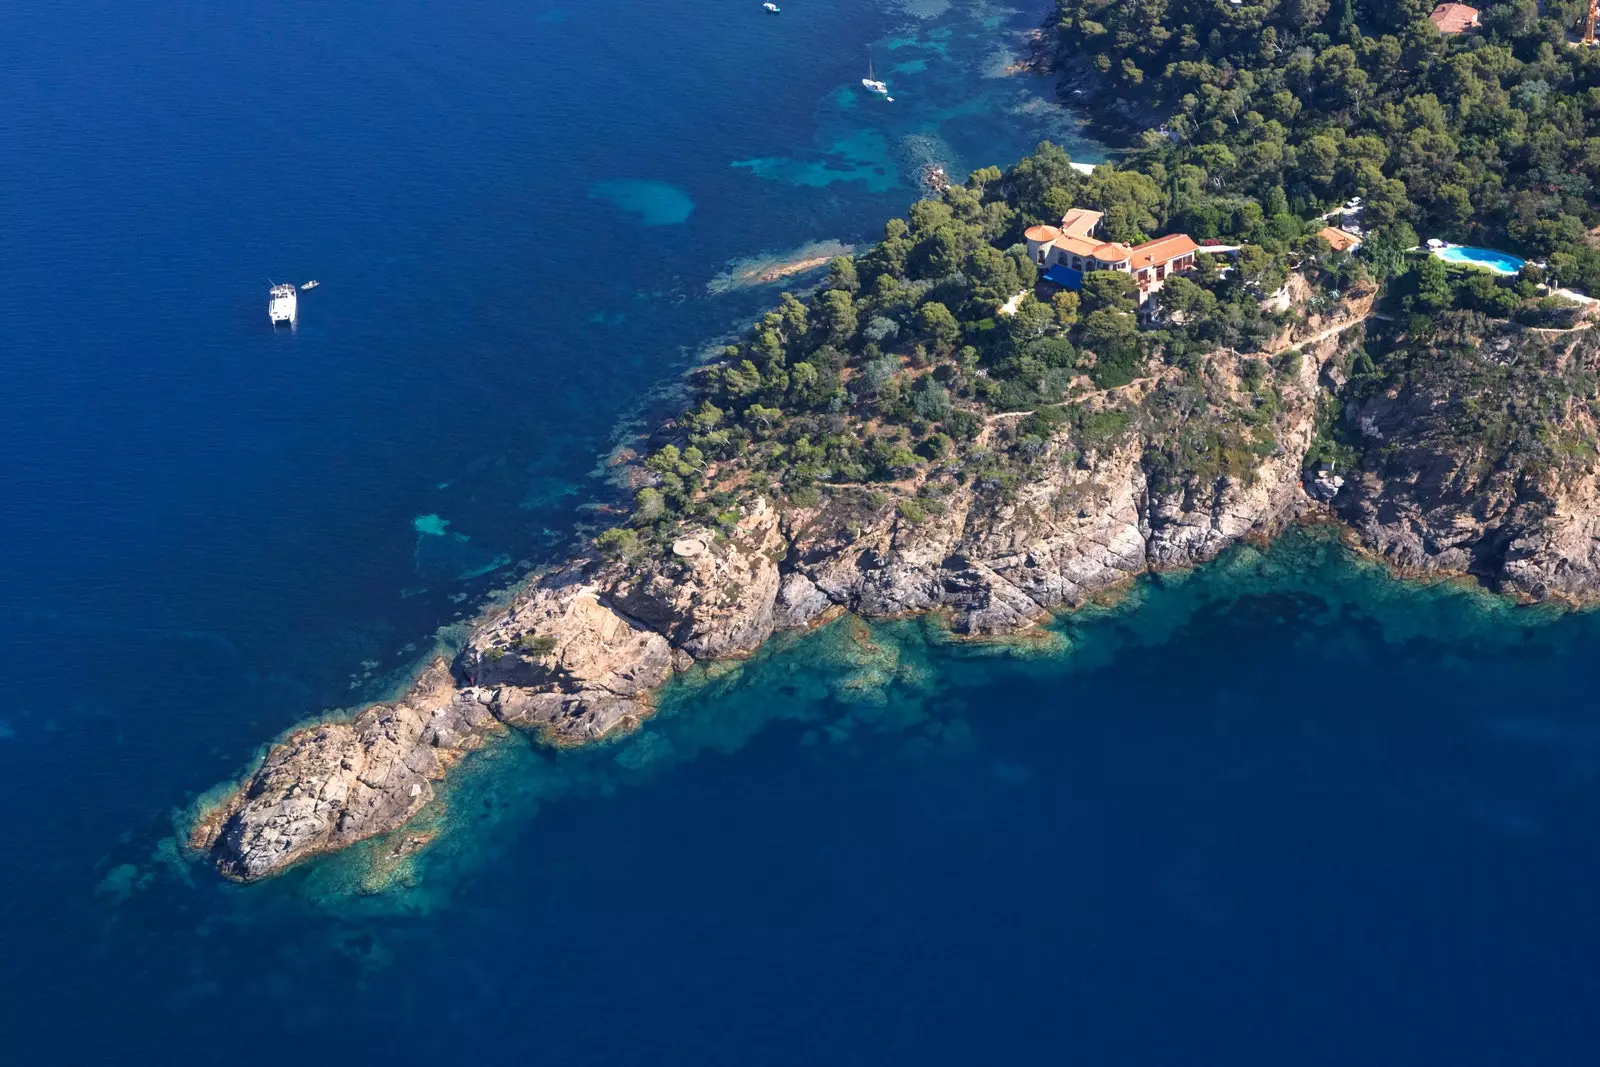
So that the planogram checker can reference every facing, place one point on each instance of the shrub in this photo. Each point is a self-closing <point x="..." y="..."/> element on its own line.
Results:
<point x="1250" y="374"/>
<point x="536" y="644"/>
<point x="880" y="329"/>
<point x="617" y="543"/>
<point x="962" y="425"/>
<point x="805" y="496"/>
<point x="930" y="399"/>
<point x="1116" y="368"/>
<point x="911" y="511"/>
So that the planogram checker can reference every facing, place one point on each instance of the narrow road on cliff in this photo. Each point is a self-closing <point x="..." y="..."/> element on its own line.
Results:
<point x="1318" y="338"/>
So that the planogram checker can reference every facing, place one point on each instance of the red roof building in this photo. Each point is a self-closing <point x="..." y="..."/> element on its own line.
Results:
<point x="1073" y="245"/>
<point x="1454" y="18"/>
<point x="1341" y="240"/>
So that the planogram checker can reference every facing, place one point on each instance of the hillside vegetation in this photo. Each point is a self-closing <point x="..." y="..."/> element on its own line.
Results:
<point x="1488" y="137"/>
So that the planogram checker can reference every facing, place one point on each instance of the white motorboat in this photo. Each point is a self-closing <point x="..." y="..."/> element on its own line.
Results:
<point x="284" y="305"/>
<point x="312" y="284"/>
<point x="771" y="9"/>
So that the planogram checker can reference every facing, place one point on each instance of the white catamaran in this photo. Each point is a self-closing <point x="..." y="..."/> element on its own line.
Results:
<point x="284" y="305"/>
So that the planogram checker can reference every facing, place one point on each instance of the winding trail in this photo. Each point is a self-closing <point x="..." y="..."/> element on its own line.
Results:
<point x="1331" y="331"/>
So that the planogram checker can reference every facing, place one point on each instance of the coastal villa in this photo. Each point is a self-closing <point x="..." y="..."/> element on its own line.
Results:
<point x="1066" y="251"/>
<point x="1340" y="240"/>
<point x="1454" y="18"/>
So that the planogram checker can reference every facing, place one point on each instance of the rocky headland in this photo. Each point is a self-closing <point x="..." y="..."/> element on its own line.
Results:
<point x="576" y="655"/>
<point x="937" y="429"/>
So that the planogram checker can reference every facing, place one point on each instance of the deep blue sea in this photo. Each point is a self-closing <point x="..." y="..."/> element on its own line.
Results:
<point x="1282" y="810"/>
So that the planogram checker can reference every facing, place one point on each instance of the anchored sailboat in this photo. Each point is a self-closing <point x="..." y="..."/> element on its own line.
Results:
<point x="872" y="83"/>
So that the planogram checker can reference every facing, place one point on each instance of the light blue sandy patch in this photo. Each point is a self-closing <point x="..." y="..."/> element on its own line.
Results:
<point x="645" y="749"/>
<point x="978" y="106"/>
<point x="605" y="318"/>
<point x="937" y="42"/>
<point x="432" y="525"/>
<point x="652" y="203"/>
<point x="910" y="66"/>
<point x="546" y="492"/>
<point x="122" y="882"/>
<point x="6" y="732"/>
<point x="816" y="175"/>
<point x="860" y="157"/>
<point x="845" y="97"/>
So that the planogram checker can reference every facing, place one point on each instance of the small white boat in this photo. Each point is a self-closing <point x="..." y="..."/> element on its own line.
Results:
<point x="872" y="83"/>
<point x="312" y="284"/>
<point x="771" y="9"/>
<point x="284" y="305"/>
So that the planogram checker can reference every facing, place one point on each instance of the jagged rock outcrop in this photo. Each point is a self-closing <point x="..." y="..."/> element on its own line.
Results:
<point x="327" y="786"/>
<point x="1479" y="459"/>
<point x="558" y="660"/>
<point x="712" y="595"/>
<point x="563" y="641"/>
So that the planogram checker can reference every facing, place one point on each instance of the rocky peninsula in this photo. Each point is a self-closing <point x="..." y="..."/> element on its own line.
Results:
<point x="946" y="425"/>
<point x="577" y="654"/>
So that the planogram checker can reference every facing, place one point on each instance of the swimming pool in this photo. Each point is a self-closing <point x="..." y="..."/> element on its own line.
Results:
<point x="1499" y="262"/>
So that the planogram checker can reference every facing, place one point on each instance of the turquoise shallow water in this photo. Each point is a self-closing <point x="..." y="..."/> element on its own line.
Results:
<point x="1282" y="810"/>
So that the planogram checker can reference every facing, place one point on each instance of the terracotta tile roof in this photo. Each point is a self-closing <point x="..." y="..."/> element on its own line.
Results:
<point x="1041" y="233"/>
<point x="1077" y="246"/>
<point x="1341" y="240"/>
<point x="1080" y="222"/>
<point x="1454" y="18"/>
<point x="1112" y="252"/>
<point x="1162" y="250"/>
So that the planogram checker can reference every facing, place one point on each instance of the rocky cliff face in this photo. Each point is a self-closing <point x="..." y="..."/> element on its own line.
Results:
<point x="1478" y="457"/>
<point x="577" y="654"/>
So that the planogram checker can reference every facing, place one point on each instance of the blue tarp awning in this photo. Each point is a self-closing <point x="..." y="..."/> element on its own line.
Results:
<point x="1065" y="277"/>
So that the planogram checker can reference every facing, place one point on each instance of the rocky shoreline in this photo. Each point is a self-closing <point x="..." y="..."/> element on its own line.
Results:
<point x="577" y="654"/>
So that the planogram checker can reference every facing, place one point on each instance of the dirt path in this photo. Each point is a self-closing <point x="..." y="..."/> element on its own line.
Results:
<point x="1318" y="338"/>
